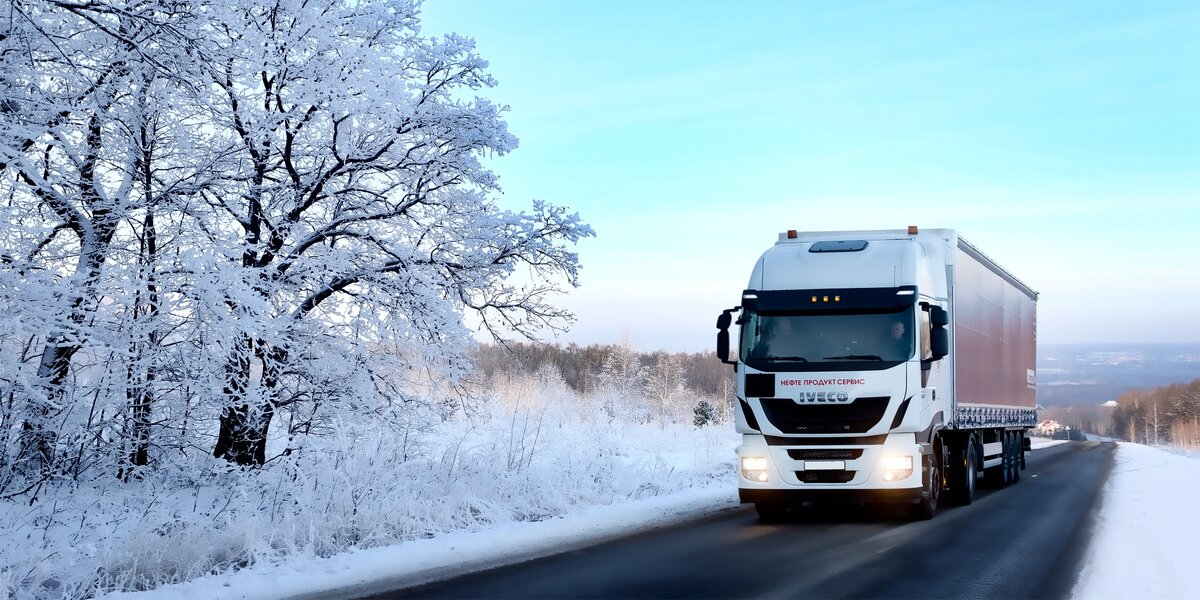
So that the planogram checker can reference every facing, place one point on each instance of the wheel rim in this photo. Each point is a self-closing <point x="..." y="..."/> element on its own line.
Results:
<point x="971" y="474"/>
<point x="1006" y="468"/>
<point x="1008" y="454"/>
<point x="935" y="478"/>
<point x="1016" y="462"/>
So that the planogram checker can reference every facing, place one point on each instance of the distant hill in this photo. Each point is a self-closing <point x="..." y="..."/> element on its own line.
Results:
<point x="1074" y="374"/>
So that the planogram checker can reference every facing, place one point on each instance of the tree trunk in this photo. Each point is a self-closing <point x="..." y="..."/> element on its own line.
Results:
<point x="142" y="371"/>
<point x="38" y="437"/>
<point x="242" y="438"/>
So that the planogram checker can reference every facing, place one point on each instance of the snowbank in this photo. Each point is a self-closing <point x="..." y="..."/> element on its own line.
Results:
<point x="1144" y="545"/>
<point x="366" y="504"/>
<point x="378" y="570"/>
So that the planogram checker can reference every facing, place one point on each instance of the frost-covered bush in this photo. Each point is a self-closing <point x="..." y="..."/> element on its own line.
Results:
<point x="705" y="413"/>
<point x="521" y="455"/>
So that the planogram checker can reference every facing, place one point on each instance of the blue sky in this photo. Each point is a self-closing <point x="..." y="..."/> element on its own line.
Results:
<point x="1063" y="139"/>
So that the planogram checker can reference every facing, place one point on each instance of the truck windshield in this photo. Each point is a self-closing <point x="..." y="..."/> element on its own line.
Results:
<point x="806" y="341"/>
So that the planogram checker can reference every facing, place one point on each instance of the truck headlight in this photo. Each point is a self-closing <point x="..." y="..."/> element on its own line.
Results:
<point x="896" y="468"/>
<point x="754" y="468"/>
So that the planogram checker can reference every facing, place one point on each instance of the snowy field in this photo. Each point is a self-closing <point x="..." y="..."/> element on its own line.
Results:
<point x="1138" y="533"/>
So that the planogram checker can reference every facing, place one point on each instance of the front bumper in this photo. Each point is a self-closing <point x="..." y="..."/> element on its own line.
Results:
<point x="861" y="478"/>
<point x="793" y="497"/>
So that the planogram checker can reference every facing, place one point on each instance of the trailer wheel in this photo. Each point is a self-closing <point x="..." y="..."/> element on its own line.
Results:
<point x="1017" y="452"/>
<point x="965" y="473"/>
<point x="1009" y="459"/>
<point x="771" y="512"/>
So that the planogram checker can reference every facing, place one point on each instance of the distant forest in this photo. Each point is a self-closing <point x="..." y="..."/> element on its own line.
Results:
<point x="1165" y="415"/>
<point x="645" y="386"/>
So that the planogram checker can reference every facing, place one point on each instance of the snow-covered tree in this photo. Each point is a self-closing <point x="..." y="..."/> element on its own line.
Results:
<point x="664" y="386"/>
<point x="225" y="210"/>
<point x="619" y="384"/>
<point x="356" y="200"/>
<point x="704" y="413"/>
<point x="77" y="103"/>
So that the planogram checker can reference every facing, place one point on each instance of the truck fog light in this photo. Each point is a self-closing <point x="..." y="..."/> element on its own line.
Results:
<point x="896" y="468"/>
<point x="754" y="468"/>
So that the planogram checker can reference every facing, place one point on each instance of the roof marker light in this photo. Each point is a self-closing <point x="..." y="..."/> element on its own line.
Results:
<point x="912" y="230"/>
<point x="904" y="293"/>
<point x="791" y="234"/>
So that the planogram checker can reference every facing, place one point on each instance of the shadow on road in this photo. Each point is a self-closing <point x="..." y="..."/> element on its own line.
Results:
<point x="831" y="513"/>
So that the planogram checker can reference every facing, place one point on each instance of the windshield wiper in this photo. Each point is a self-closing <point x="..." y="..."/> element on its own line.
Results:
<point x="854" y="357"/>
<point x="793" y="358"/>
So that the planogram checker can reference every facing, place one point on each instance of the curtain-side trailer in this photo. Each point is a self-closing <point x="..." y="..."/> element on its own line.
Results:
<point x="880" y="366"/>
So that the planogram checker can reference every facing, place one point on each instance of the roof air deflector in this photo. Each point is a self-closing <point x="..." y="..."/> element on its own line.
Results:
<point x="838" y="246"/>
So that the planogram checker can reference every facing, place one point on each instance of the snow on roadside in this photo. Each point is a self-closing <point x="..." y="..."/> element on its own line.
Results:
<point x="1039" y="443"/>
<point x="1140" y="549"/>
<point x="1144" y="544"/>
<point x="377" y="570"/>
<point x="360" y="493"/>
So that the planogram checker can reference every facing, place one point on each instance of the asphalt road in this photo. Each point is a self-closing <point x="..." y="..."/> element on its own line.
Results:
<point x="1025" y="541"/>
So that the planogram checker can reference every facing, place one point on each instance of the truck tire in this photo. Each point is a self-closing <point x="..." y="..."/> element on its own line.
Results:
<point x="771" y="512"/>
<point x="927" y="507"/>
<point x="1010" y="459"/>
<point x="1015" y="445"/>
<point x="963" y="477"/>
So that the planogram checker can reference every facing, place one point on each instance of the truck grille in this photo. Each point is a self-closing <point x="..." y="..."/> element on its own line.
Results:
<point x="825" y="476"/>
<point x="826" y="454"/>
<point x="855" y="417"/>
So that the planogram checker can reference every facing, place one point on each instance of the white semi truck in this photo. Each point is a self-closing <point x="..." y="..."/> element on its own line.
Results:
<point x="880" y="366"/>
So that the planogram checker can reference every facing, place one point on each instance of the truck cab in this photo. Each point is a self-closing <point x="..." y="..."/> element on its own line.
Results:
<point x="845" y="370"/>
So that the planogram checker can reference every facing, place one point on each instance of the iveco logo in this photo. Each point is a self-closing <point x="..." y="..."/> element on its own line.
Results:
<point x="822" y="397"/>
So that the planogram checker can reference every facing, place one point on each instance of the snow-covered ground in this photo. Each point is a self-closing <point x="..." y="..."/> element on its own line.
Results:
<point x="407" y="486"/>
<point x="378" y="570"/>
<point x="368" y="502"/>
<point x="1145" y="543"/>
<point x="1143" y="528"/>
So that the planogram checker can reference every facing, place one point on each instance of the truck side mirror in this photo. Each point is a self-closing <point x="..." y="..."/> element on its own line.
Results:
<point x="938" y="317"/>
<point x="723" y="345"/>
<point x="724" y="320"/>
<point x="939" y="342"/>
<point x="939" y="336"/>
<point x="723" y="323"/>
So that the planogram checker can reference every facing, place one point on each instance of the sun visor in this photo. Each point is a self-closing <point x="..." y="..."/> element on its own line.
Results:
<point x="789" y="301"/>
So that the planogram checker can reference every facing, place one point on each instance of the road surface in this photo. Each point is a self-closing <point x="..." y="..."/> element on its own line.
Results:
<point x="1023" y="541"/>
